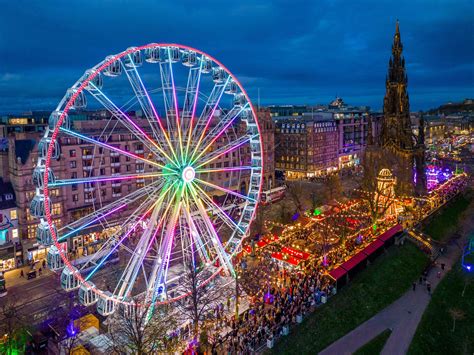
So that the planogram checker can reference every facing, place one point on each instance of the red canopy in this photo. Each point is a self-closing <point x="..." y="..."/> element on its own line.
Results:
<point x="295" y="253"/>
<point x="372" y="247"/>
<point x="337" y="273"/>
<point x="387" y="235"/>
<point x="290" y="260"/>
<point x="354" y="261"/>
<point x="262" y="244"/>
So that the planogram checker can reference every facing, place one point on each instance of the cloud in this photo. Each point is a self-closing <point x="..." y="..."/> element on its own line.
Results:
<point x="294" y="51"/>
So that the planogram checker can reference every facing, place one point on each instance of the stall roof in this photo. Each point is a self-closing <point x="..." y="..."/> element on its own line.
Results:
<point x="337" y="273"/>
<point x="372" y="247"/>
<point x="290" y="260"/>
<point x="387" y="235"/>
<point x="295" y="253"/>
<point x="354" y="261"/>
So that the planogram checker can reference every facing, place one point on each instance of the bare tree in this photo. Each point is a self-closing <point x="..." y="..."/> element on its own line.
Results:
<point x="142" y="330"/>
<point x="333" y="187"/>
<point x="258" y="224"/>
<point x="296" y="192"/>
<point x="456" y="314"/>
<point x="13" y="327"/>
<point x="377" y="200"/>
<point x="202" y="297"/>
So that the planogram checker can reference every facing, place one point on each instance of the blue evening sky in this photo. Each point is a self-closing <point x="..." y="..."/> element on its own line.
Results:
<point x="295" y="52"/>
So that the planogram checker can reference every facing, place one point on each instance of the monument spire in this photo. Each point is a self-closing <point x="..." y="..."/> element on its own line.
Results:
<point x="396" y="127"/>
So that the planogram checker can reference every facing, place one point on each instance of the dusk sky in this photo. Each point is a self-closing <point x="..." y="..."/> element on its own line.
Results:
<point x="295" y="52"/>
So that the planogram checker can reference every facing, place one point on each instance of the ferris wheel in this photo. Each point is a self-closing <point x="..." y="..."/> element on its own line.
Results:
<point x="167" y="173"/>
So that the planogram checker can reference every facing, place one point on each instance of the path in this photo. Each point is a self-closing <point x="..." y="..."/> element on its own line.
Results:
<point x="404" y="314"/>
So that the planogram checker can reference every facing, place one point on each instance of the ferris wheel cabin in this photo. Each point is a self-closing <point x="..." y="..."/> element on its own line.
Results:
<point x="106" y="305"/>
<point x="43" y="233"/>
<point x="53" y="259"/>
<point x="114" y="68"/>
<point x="69" y="280"/>
<point x="87" y="296"/>
<point x="43" y="147"/>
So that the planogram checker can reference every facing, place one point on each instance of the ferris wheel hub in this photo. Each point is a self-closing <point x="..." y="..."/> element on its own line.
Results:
<point x="188" y="174"/>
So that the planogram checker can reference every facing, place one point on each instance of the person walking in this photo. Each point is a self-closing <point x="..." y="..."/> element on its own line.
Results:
<point x="414" y="286"/>
<point x="22" y="273"/>
<point x="420" y="281"/>
<point x="40" y="270"/>
<point x="428" y="287"/>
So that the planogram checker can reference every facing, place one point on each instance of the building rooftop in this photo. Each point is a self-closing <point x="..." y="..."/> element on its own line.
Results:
<point x="7" y="195"/>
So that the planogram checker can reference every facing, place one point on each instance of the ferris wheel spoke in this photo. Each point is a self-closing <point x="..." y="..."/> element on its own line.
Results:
<point x="223" y="189"/>
<point x="114" y="244"/>
<point x="195" y="234"/>
<point x="125" y="285"/>
<point x="161" y="264"/>
<point x="129" y="199"/>
<point x="226" y="169"/>
<point x="98" y="179"/>
<point x="110" y="147"/>
<point x="228" y="148"/>
<point x="91" y="222"/>
<point x="217" y="131"/>
<point x="126" y="228"/>
<point x="216" y="208"/>
<point x="190" y="101"/>
<point x="126" y="121"/>
<point x="215" y="240"/>
<point x="204" y="120"/>
<point x="170" y="101"/>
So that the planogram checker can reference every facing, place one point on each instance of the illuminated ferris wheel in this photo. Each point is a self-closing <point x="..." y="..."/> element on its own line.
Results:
<point x="169" y="174"/>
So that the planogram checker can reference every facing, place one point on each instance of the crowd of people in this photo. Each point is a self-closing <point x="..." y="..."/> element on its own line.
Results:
<point x="281" y="301"/>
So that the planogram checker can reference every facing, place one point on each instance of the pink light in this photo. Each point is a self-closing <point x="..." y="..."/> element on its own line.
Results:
<point x="111" y="147"/>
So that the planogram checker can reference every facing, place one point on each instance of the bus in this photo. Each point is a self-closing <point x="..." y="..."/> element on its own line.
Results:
<point x="273" y="195"/>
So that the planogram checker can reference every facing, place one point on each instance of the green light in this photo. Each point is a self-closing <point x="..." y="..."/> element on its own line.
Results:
<point x="316" y="212"/>
<point x="374" y="227"/>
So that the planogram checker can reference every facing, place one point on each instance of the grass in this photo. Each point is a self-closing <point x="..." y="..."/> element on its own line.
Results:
<point x="367" y="294"/>
<point x="442" y="224"/>
<point x="434" y="334"/>
<point x="376" y="345"/>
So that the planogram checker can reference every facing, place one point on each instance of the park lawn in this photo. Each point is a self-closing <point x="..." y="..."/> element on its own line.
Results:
<point x="368" y="293"/>
<point x="376" y="345"/>
<point x="434" y="334"/>
<point x="442" y="224"/>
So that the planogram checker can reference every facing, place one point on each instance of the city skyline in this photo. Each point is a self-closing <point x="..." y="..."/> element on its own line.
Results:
<point x="290" y="54"/>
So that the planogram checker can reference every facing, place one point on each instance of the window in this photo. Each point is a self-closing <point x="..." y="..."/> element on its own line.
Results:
<point x="14" y="233"/>
<point x="102" y="171"/>
<point x="128" y="167"/>
<point x="74" y="175"/>
<point x="56" y="209"/>
<point x="103" y="192"/>
<point x="72" y="153"/>
<point x="72" y="164"/>
<point x="32" y="231"/>
<point x="75" y="197"/>
<point x="74" y="187"/>
<point x="13" y="215"/>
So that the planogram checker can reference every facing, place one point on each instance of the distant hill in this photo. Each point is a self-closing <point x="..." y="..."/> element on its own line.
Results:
<point x="454" y="107"/>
